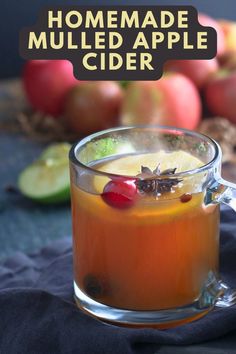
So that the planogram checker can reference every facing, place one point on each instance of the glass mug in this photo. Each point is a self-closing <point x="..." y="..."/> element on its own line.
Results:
<point x="146" y="244"/>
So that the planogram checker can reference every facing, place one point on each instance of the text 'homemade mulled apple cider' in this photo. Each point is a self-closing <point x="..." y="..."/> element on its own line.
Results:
<point x="85" y="30"/>
<point x="144" y="238"/>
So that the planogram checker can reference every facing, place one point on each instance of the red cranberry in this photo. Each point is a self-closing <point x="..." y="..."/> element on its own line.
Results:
<point x="120" y="193"/>
<point x="185" y="198"/>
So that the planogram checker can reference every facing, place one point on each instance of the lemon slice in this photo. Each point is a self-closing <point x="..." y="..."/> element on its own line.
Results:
<point x="47" y="180"/>
<point x="131" y="165"/>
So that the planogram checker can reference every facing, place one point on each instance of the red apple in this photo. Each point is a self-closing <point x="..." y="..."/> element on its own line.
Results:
<point x="198" y="71"/>
<point x="220" y="94"/>
<point x="46" y="84"/>
<point x="229" y="29"/>
<point x="173" y="100"/>
<point x="93" y="106"/>
<point x="206" y="20"/>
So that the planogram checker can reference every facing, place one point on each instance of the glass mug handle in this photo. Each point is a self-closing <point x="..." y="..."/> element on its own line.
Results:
<point x="222" y="191"/>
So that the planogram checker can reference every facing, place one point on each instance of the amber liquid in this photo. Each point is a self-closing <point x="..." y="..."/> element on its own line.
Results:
<point x="155" y="255"/>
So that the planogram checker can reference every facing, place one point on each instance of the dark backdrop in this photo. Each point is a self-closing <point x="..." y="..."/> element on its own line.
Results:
<point x="15" y="14"/>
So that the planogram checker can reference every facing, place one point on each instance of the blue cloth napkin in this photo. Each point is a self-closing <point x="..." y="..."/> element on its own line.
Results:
<point x="38" y="314"/>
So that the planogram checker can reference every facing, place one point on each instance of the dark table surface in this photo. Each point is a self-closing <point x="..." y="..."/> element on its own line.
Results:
<point x="26" y="226"/>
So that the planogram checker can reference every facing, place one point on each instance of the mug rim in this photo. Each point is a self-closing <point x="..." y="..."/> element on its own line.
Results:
<point x="77" y="145"/>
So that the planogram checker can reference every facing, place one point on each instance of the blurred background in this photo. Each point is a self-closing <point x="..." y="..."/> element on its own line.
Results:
<point x="43" y="110"/>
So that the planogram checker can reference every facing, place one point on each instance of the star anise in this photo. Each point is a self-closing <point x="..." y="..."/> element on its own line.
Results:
<point x="149" y="183"/>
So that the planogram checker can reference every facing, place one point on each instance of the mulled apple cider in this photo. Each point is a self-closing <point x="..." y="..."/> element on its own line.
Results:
<point x="145" y="232"/>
